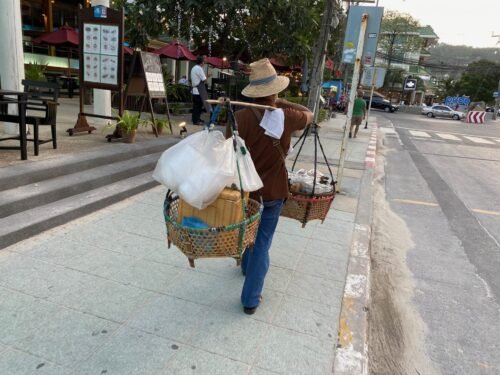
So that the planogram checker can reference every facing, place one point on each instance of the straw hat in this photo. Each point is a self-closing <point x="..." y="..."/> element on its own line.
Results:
<point x="264" y="81"/>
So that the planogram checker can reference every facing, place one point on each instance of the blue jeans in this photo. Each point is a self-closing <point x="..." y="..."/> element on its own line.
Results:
<point x="255" y="262"/>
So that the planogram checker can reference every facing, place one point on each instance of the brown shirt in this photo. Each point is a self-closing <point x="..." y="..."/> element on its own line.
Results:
<point x="266" y="157"/>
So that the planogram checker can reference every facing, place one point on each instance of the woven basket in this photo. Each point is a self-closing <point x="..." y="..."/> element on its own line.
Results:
<point x="229" y="241"/>
<point x="304" y="207"/>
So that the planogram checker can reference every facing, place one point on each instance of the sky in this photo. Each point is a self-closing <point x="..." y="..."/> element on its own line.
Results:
<point x="456" y="22"/>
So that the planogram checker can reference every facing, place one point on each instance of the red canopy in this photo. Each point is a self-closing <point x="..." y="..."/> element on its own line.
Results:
<point x="128" y="50"/>
<point x="65" y="36"/>
<point x="217" y="62"/>
<point x="176" y="51"/>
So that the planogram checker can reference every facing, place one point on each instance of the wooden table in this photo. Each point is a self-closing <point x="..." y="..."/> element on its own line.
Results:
<point x="20" y="118"/>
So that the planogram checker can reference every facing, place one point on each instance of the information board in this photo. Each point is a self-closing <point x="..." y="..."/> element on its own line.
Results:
<point x="153" y="74"/>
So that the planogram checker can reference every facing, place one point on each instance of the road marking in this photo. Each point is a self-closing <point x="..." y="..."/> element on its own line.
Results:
<point x="448" y="136"/>
<point x="431" y="204"/>
<point x="435" y="131"/>
<point x="420" y="203"/>
<point x="486" y="212"/>
<point x="479" y="140"/>
<point x="416" y="133"/>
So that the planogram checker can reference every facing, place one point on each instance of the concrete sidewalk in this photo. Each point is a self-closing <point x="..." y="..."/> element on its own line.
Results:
<point x="103" y="294"/>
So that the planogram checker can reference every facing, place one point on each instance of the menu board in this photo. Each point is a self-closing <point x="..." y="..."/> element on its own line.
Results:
<point x="100" y="53"/>
<point x="153" y="72"/>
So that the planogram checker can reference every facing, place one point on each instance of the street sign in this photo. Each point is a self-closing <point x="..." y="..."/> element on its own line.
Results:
<point x="410" y="84"/>
<point x="373" y="75"/>
<point x="352" y="33"/>
<point x="453" y="101"/>
<point x="496" y="94"/>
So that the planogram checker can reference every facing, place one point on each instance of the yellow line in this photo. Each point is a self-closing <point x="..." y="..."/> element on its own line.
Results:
<point x="421" y="203"/>
<point x="430" y="204"/>
<point x="479" y="211"/>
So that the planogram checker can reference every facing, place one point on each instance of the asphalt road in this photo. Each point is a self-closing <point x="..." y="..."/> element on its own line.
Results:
<point x="442" y="178"/>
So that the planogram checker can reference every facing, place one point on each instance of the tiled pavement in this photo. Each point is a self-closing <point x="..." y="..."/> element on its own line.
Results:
<point x="104" y="295"/>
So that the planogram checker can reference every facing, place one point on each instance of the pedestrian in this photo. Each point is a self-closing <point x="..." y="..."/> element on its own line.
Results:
<point x="266" y="134"/>
<point x="358" y="114"/>
<point x="200" y="94"/>
<point x="184" y="81"/>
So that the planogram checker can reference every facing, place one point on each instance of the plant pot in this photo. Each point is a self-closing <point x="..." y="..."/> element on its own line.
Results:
<point x="129" y="136"/>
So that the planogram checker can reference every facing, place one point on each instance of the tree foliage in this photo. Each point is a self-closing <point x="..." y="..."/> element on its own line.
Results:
<point x="248" y="29"/>
<point x="479" y="81"/>
<point x="398" y="35"/>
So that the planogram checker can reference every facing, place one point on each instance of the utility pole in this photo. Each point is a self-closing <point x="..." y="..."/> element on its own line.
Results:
<point x="329" y="22"/>
<point x="497" y="100"/>
<point x="352" y="96"/>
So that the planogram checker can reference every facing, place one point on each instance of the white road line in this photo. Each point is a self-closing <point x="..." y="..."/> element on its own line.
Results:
<point x="479" y="140"/>
<point x="416" y="133"/>
<point x="448" y="136"/>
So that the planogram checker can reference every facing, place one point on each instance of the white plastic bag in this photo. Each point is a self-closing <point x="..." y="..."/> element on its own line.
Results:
<point x="250" y="180"/>
<point x="197" y="168"/>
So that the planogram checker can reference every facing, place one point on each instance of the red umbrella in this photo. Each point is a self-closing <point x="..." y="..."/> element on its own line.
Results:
<point x="64" y="37"/>
<point x="176" y="51"/>
<point x="217" y="62"/>
<point x="128" y="50"/>
<point x="278" y="64"/>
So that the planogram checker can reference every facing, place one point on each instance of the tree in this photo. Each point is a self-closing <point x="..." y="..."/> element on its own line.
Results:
<point x="398" y="35"/>
<point x="479" y="81"/>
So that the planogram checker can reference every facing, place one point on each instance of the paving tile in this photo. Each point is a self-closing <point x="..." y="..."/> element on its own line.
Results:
<point x="104" y="298"/>
<point x="277" y="279"/>
<point x="322" y="267"/>
<point x="339" y="235"/>
<point x="130" y="351"/>
<point x="153" y="229"/>
<point x="221" y="267"/>
<point x="21" y="315"/>
<point x="340" y="215"/>
<point x="294" y="227"/>
<point x="198" y="287"/>
<point x="67" y="336"/>
<point x="288" y="352"/>
<point x="148" y="275"/>
<point x="231" y="335"/>
<point x="289" y="242"/>
<point x="100" y="262"/>
<point x="172" y="256"/>
<point x="231" y="301"/>
<point x="142" y="210"/>
<point x="316" y="289"/>
<point x="58" y="251"/>
<point x="344" y="203"/>
<point x="37" y="278"/>
<point x="307" y="317"/>
<point x="169" y="317"/>
<point x="19" y="363"/>
<point x="259" y="371"/>
<point x="336" y="252"/>
<point x="188" y="361"/>
<point x="285" y="258"/>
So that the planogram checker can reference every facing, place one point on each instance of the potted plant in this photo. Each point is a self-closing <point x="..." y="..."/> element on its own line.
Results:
<point x="160" y="125"/>
<point x="35" y="71"/>
<point x="128" y="124"/>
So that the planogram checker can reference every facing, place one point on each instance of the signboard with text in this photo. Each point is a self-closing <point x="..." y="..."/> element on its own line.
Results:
<point x="352" y="33"/>
<point x="372" y="75"/>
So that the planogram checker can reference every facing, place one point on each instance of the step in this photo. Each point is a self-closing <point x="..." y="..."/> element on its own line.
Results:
<point x="32" y="172"/>
<point x="23" y="198"/>
<point x="28" y="223"/>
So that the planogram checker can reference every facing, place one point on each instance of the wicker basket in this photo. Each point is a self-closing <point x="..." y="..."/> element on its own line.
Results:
<point x="304" y="207"/>
<point x="229" y="241"/>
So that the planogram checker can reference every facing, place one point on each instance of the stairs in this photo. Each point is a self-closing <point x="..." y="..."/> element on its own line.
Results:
<point x="38" y="196"/>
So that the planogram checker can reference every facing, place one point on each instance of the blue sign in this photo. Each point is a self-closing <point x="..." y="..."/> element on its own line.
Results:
<point x="496" y="94"/>
<point x="352" y="33"/>
<point x="453" y="101"/>
<point x="100" y="11"/>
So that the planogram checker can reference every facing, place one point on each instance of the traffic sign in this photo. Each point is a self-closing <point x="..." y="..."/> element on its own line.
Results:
<point x="496" y="94"/>
<point x="410" y="84"/>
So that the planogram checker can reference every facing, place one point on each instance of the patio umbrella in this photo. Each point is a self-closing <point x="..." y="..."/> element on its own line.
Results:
<point x="176" y="51"/>
<point x="128" y="50"/>
<point x="64" y="37"/>
<point x="217" y="62"/>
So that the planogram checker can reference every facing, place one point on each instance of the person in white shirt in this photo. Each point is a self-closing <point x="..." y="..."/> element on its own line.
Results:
<point x="197" y="77"/>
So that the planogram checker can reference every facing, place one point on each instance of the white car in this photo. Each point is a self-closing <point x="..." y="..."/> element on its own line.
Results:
<point x="439" y="110"/>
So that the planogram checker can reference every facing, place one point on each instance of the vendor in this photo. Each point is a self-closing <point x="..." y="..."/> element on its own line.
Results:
<point x="267" y="135"/>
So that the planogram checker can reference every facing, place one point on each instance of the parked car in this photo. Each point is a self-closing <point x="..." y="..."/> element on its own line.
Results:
<point x="439" y="110"/>
<point x="492" y="109"/>
<point x="379" y="102"/>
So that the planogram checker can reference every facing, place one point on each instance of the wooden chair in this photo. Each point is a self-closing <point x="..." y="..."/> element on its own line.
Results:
<point x="42" y="98"/>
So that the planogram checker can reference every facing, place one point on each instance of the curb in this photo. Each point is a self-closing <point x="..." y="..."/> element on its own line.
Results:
<point x="351" y="356"/>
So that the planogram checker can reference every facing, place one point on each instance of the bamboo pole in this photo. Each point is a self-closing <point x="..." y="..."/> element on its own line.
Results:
<point x="240" y="104"/>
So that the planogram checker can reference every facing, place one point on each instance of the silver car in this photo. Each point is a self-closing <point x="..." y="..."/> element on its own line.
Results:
<point x="439" y="110"/>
